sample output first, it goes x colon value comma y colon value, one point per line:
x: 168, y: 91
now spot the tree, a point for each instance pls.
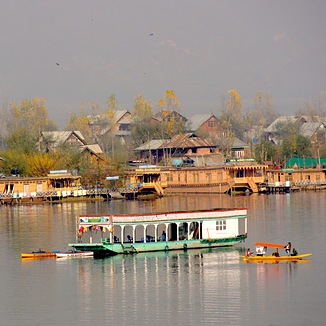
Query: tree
x: 143, y: 109
x: 313, y: 107
x: 141, y: 128
x: 172, y: 121
x: 296, y: 145
x: 263, y: 109
x: 66, y: 157
x: 22, y: 140
x: 39, y: 165
x: 112, y: 103
x: 31, y: 114
x: 81, y: 123
x: 231, y: 118
x: 13, y: 160
x: 171, y: 102
x: 265, y: 151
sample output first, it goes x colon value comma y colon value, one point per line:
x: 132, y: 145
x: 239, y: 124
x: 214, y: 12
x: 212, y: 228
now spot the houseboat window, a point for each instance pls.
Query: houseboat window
x: 220, y: 225
x: 208, y: 177
x: 240, y: 174
x: 183, y: 231
x: 258, y: 173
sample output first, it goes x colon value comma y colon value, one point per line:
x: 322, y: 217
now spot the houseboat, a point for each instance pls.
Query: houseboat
x: 181, y: 230
x: 233, y: 176
x: 291, y: 179
x: 57, y: 186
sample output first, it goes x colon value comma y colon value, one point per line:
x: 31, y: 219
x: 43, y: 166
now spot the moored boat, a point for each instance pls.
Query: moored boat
x: 74, y: 254
x: 262, y: 256
x: 180, y: 230
x: 39, y: 254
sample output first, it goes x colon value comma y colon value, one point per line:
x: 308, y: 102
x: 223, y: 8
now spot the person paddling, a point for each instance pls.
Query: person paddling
x: 248, y: 252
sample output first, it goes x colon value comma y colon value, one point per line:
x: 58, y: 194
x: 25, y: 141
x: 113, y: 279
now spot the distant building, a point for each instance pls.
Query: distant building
x: 117, y: 125
x: 50, y: 140
x: 178, y: 146
x: 307, y: 126
x: 165, y: 116
x: 203, y: 122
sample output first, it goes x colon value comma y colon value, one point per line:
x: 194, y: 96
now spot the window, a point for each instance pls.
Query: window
x: 220, y: 225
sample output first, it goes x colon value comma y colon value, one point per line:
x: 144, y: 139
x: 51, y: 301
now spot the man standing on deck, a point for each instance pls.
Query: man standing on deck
x: 288, y: 248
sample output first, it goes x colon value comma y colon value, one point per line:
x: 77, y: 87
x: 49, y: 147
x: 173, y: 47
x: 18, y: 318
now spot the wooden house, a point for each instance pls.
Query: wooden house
x: 50, y: 140
x: 166, y: 116
x: 205, y: 123
x: 164, y: 151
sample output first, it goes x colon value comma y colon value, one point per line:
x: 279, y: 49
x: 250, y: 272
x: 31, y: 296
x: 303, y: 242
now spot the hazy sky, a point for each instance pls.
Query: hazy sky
x: 200, y: 49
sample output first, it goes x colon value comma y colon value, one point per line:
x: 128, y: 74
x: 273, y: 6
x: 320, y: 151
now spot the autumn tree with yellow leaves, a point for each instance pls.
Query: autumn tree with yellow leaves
x: 39, y: 164
x: 230, y: 121
x: 30, y: 114
x: 172, y: 121
x: 25, y: 122
x: 142, y: 130
x: 84, y: 122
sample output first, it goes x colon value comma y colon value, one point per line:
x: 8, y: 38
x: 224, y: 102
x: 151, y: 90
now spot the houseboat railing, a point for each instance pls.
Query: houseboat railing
x: 106, y: 193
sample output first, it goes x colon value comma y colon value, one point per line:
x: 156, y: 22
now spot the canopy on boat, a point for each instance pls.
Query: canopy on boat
x: 272, y: 245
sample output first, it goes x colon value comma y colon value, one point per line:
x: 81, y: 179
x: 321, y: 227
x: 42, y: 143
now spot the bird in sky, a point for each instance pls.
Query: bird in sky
x: 151, y: 34
x: 57, y: 64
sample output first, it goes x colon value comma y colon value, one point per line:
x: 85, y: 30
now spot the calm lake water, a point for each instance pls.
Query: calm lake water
x: 177, y: 288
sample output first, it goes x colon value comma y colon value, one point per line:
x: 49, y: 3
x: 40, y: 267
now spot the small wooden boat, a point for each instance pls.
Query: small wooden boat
x: 261, y: 254
x: 39, y: 254
x: 75, y: 254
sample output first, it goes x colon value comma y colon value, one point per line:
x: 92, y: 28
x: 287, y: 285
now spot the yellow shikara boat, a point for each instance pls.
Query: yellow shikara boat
x: 261, y: 254
x: 39, y: 254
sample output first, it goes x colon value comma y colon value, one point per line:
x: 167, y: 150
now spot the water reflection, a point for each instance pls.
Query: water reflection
x: 176, y: 280
x: 175, y: 288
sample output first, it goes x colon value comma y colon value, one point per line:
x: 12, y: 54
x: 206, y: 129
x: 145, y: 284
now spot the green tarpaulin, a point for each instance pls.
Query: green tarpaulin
x: 308, y: 162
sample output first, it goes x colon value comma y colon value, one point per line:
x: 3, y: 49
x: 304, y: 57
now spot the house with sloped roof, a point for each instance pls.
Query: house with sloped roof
x: 182, y: 145
x: 310, y: 130
x: 272, y: 131
x: 307, y: 126
x: 166, y: 116
x: 188, y: 146
x: 50, y: 140
x: 151, y: 151
x: 94, y: 151
x: 236, y: 147
x: 118, y: 125
x: 203, y: 122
